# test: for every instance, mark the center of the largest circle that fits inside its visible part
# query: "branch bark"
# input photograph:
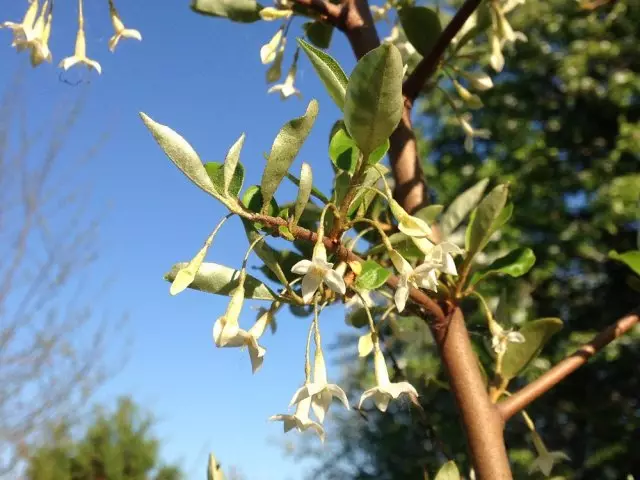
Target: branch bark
(519, 400)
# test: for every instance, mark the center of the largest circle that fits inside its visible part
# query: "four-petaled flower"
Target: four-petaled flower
(119, 28)
(80, 53)
(546, 459)
(269, 50)
(423, 276)
(441, 257)
(227, 331)
(384, 391)
(319, 390)
(501, 338)
(316, 271)
(287, 89)
(300, 419)
(23, 31)
(470, 133)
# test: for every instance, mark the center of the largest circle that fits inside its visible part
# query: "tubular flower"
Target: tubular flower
(269, 49)
(287, 89)
(501, 338)
(408, 224)
(119, 28)
(317, 271)
(423, 276)
(300, 420)
(80, 54)
(24, 29)
(546, 459)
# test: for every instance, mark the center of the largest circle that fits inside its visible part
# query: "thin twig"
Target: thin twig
(519, 400)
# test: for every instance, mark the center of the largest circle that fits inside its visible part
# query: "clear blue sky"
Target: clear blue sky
(203, 77)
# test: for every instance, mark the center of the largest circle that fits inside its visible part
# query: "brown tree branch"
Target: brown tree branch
(519, 400)
(329, 12)
(429, 64)
(482, 423)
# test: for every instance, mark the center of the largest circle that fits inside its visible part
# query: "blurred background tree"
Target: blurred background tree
(117, 445)
(52, 336)
(564, 118)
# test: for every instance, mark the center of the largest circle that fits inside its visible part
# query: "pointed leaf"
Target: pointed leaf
(221, 280)
(319, 33)
(372, 276)
(379, 153)
(329, 71)
(631, 259)
(373, 103)
(215, 171)
(314, 191)
(449, 471)
(485, 219)
(304, 192)
(371, 177)
(343, 151)
(231, 161)
(461, 207)
(284, 150)
(429, 213)
(422, 27)
(181, 153)
(515, 264)
(536, 335)
(243, 11)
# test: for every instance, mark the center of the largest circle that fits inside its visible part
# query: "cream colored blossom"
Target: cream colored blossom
(471, 133)
(500, 338)
(80, 53)
(546, 459)
(288, 89)
(269, 13)
(119, 28)
(317, 271)
(269, 50)
(23, 30)
(408, 224)
(423, 276)
(300, 419)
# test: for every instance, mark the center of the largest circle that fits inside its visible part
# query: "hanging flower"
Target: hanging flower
(423, 276)
(471, 99)
(501, 338)
(384, 391)
(269, 49)
(80, 54)
(441, 255)
(471, 133)
(408, 224)
(23, 30)
(546, 459)
(275, 70)
(300, 420)
(288, 89)
(478, 80)
(119, 28)
(317, 271)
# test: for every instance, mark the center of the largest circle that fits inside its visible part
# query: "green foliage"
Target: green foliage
(373, 102)
(515, 264)
(243, 11)
(461, 206)
(318, 33)
(449, 471)
(372, 276)
(216, 172)
(345, 154)
(304, 191)
(116, 446)
(630, 259)
(536, 334)
(221, 280)
(329, 71)
(284, 150)
(422, 27)
(485, 220)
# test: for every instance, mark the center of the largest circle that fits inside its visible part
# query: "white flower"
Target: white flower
(227, 331)
(441, 257)
(269, 49)
(471, 133)
(275, 70)
(316, 271)
(478, 80)
(501, 338)
(300, 420)
(423, 276)
(472, 100)
(408, 224)
(319, 390)
(80, 53)
(119, 28)
(384, 390)
(287, 89)
(24, 29)
(37, 38)
(497, 59)
(546, 459)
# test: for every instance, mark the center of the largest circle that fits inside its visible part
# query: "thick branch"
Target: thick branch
(429, 64)
(480, 418)
(416, 295)
(329, 12)
(519, 400)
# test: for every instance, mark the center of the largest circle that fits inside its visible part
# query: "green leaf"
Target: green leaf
(285, 148)
(341, 184)
(422, 27)
(373, 103)
(515, 264)
(253, 200)
(304, 192)
(536, 334)
(486, 218)
(318, 33)
(371, 177)
(372, 276)
(181, 153)
(314, 191)
(429, 213)
(343, 151)
(379, 153)
(215, 170)
(631, 259)
(230, 163)
(449, 471)
(402, 243)
(329, 71)
(461, 206)
(243, 11)
(221, 280)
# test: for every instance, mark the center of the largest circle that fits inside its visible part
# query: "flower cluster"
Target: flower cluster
(33, 33)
